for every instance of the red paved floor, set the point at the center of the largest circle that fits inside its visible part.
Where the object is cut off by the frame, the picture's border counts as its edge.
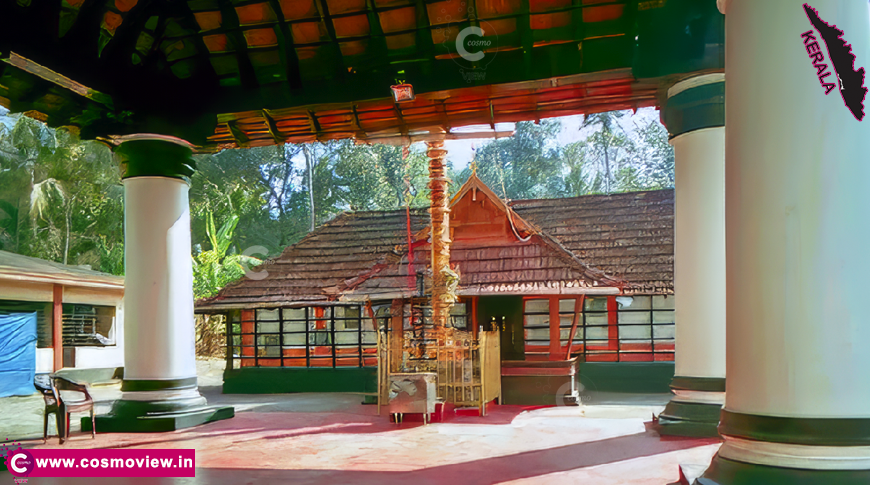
(346, 443)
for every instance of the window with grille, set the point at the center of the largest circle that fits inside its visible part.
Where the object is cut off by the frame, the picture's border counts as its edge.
(315, 336)
(608, 328)
(88, 325)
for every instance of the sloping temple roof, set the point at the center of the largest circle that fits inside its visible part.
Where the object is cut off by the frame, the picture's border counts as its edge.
(595, 243)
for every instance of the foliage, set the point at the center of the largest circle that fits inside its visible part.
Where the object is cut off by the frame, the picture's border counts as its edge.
(213, 269)
(377, 177)
(61, 197)
(211, 336)
(609, 159)
(656, 156)
(524, 166)
(610, 148)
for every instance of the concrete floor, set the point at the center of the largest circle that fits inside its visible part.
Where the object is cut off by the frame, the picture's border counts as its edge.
(333, 439)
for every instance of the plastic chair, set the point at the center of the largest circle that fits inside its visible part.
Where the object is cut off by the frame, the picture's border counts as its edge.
(43, 384)
(71, 403)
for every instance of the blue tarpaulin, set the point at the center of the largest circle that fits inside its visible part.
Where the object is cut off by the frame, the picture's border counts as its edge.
(17, 354)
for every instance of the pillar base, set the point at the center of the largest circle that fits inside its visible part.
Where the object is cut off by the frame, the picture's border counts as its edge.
(158, 411)
(723, 471)
(689, 419)
(695, 409)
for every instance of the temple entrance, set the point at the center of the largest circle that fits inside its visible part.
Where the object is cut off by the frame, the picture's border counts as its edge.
(503, 313)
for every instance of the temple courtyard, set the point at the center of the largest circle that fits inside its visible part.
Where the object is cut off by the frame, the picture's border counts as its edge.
(333, 438)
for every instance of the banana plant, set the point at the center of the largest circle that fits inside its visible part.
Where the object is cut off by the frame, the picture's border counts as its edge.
(222, 239)
(213, 269)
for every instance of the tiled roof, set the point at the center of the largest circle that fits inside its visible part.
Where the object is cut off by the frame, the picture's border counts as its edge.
(629, 236)
(312, 269)
(619, 240)
(24, 268)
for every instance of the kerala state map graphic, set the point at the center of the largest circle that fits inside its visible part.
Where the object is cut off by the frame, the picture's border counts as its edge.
(851, 81)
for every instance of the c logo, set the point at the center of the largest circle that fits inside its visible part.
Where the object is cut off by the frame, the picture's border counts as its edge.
(14, 463)
(250, 252)
(21, 464)
(460, 43)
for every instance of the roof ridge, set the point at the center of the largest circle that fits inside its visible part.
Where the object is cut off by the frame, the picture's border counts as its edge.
(57, 264)
(589, 196)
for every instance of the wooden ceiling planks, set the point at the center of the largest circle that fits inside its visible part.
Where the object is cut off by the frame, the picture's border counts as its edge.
(440, 111)
(172, 67)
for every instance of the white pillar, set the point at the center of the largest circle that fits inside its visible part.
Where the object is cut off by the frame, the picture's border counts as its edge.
(694, 115)
(160, 386)
(699, 254)
(159, 340)
(797, 206)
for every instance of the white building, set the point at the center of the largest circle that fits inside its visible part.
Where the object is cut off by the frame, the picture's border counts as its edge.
(90, 306)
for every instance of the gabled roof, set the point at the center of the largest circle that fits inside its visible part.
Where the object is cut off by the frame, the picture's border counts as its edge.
(333, 255)
(600, 243)
(629, 236)
(519, 260)
(24, 268)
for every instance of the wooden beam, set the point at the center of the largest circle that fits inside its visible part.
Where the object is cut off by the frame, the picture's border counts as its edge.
(445, 118)
(239, 136)
(356, 123)
(526, 37)
(475, 327)
(57, 326)
(47, 74)
(340, 71)
(578, 310)
(287, 47)
(425, 46)
(613, 325)
(273, 127)
(397, 139)
(230, 25)
(315, 125)
(377, 38)
(403, 128)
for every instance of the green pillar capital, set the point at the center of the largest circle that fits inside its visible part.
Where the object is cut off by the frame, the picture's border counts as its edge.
(155, 156)
(695, 106)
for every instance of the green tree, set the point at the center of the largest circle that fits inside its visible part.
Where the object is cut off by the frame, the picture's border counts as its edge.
(579, 177)
(379, 177)
(62, 197)
(609, 147)
(255, 184)
(524, 166)
(655, 156)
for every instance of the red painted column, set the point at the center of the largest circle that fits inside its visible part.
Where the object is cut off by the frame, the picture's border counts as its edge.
(612, 325)
(475, 330)
(555, 347)
(57, 326)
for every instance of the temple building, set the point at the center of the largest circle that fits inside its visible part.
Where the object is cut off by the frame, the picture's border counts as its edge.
(595, 270)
